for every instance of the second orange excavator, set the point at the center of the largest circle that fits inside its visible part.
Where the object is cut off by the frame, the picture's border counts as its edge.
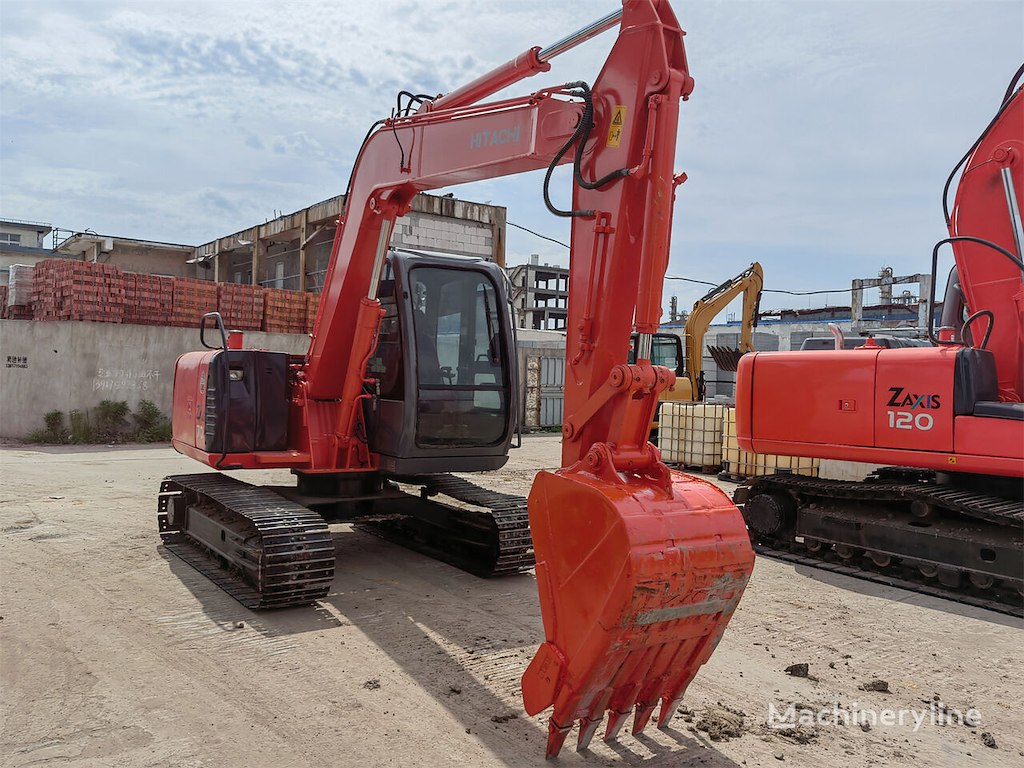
(948, 417)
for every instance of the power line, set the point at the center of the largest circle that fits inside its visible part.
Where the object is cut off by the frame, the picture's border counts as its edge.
(714, 285)
(538, 234)
(790, 293)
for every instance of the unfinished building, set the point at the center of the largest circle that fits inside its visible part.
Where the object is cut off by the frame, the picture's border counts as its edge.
(540, 295)
(293, 250)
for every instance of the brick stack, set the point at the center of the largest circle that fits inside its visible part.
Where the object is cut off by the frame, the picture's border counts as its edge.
(64, 289)
(44, 290)
(148, 299)
(191, 300)
(312, 304)
(284, 311)
(78, 290)
(241, 306)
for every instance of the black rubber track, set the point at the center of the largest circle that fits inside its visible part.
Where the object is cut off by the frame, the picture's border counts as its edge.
(1008, 602)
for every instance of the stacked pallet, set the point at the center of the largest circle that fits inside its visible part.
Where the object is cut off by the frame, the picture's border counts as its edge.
(312, 305)
(3, 302)
(18, 305)
(241, 306)
(284, 311)
(148, 299)
(78, 290)
(19, 286)
(191, 299)
(17, 300)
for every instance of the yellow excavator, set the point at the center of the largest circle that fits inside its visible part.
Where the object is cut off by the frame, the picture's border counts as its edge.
(668, 348)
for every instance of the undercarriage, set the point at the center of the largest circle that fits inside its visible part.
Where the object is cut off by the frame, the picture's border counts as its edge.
(272, 548)
(899, 527)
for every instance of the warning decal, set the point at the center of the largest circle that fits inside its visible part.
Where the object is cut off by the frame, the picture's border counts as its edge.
(618, 121)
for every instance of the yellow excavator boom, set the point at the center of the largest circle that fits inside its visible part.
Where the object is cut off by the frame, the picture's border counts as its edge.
(749, 283)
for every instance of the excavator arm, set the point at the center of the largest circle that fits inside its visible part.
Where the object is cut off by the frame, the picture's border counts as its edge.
(749, 283)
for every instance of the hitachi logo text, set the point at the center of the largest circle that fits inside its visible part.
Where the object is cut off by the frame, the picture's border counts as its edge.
(490, 138)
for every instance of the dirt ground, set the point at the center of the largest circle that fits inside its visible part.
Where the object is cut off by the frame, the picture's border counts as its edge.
(116, 653)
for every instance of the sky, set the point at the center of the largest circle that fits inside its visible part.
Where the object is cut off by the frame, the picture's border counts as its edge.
(817, 139)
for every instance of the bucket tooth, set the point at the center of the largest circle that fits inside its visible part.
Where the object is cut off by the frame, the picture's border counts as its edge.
(587, 729)
(642, 716)
(556, 738)
(615, 721)
(668, 708)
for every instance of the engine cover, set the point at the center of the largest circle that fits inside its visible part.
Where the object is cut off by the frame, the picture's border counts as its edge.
(231, 401)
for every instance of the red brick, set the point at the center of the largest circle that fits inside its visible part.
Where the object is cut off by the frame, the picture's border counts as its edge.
(312, 304)
(191, 300)
(241, 306)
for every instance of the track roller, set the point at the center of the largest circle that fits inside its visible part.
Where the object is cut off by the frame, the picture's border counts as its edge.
(881, 559)
(846, 552)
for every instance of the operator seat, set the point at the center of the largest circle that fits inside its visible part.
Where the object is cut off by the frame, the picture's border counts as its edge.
(428, 367)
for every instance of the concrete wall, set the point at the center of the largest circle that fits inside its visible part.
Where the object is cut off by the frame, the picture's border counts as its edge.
(131, 255)
(431, 232)
(151, 260)
(46, 366)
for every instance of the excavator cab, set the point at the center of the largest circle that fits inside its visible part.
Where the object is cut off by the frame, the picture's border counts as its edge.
(442, 380)
(444, 365)
(666, 350)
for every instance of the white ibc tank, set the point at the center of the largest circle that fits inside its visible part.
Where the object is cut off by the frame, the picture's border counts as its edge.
(691, 434)
(742, 464)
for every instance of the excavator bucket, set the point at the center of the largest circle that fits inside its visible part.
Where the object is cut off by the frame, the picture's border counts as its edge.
(726, 358)
(637, 582)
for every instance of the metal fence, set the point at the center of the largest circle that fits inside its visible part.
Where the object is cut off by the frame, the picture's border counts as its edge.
(552, 391)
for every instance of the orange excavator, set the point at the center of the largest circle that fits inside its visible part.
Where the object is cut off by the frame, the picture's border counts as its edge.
(409, 376)
(949, 417)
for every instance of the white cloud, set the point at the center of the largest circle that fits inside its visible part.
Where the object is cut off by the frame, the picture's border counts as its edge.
(817, 139)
